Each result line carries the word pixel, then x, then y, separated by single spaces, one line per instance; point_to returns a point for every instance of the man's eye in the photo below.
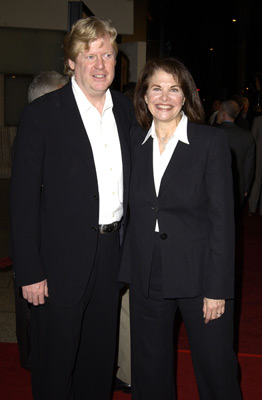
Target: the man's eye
pixel 107 56
pixel 89 56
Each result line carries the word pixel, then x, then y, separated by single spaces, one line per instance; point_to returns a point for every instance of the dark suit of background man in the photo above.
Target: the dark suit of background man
pixel 242 148
pixel 68 202
pixel 255 198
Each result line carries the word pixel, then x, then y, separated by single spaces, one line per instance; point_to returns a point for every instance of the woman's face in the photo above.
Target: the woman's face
pixel 164 97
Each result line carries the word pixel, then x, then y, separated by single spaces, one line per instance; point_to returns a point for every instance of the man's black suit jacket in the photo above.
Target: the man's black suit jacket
pixel 195 213
pixel 54 198
pixel 242 148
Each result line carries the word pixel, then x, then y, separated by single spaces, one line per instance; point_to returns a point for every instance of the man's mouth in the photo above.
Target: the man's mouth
pixel 99 76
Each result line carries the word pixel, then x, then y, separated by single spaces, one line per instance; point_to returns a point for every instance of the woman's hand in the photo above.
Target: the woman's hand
pixel 213 309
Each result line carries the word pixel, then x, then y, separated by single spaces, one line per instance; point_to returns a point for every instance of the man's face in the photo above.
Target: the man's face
pixel 95 68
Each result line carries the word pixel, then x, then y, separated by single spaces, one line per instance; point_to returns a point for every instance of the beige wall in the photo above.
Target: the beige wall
pixel 52 14
pixel 31 36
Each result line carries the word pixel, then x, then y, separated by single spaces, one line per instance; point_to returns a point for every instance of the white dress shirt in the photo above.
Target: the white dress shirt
pixel 161 161
pixel 103 136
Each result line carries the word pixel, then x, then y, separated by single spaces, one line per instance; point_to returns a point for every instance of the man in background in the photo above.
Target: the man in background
pixel 45 82
pixel 242 119
pixel 255 198
pixel 68 202
pixel 242 150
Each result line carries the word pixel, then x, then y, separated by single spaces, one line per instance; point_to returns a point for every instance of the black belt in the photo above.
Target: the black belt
pixel 110 228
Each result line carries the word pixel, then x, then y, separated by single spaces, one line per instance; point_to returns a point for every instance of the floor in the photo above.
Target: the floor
pixel 7 306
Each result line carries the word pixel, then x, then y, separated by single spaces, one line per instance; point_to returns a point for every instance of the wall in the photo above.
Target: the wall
pixel 50 14
pixel 31 36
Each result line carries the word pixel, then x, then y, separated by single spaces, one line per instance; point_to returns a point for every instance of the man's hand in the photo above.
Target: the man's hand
pixel 36 292
pixel 213 309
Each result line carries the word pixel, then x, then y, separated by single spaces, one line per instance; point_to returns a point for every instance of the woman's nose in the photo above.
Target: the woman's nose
pixel 164 95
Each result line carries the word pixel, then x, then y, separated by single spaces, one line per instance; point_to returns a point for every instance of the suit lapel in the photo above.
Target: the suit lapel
pixel 180 157
pixel 123 129
pixel 74 124
pixel 146 167
pixel 124 138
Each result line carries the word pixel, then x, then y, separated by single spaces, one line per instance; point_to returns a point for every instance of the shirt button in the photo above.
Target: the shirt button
pixel 163 236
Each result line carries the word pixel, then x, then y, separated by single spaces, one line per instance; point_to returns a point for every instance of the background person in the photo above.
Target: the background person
pixel 215 108
pixel 179 248
pixel 45 82
pixel 68 203
pixel 242 148
pixel 123 373
pixel 242 120
pixel 255 198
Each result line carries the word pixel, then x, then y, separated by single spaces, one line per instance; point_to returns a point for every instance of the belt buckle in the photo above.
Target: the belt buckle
pixel 109 228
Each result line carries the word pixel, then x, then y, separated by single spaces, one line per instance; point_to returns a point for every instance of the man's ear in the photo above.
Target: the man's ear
pixel 71 64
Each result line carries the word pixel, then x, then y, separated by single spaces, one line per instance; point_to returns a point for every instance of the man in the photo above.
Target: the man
pixel 255 198
pixel 215 108
pixel 242 120
pixel 242 150
pixel 44 82
pixel 68 207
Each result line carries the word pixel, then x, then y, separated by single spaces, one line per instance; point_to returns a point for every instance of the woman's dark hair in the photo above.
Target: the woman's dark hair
pixel 192 108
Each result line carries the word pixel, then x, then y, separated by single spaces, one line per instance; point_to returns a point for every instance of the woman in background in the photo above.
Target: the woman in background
pixel 179 248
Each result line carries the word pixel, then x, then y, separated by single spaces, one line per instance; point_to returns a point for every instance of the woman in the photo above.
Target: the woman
pixel 179 248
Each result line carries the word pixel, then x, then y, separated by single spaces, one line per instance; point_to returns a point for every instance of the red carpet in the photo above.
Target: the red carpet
pixel 15 381
pixel 5 262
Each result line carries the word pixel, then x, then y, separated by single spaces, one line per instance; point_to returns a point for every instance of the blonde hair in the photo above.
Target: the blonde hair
pixel 83 32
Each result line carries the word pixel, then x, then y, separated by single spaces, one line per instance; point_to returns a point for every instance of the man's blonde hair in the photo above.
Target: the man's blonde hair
pixel 83 32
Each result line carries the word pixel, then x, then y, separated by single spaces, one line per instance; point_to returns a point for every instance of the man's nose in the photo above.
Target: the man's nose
pixel 99 62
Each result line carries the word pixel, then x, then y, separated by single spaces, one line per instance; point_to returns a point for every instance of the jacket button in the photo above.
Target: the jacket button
pixel 163 236
pixel 155 209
